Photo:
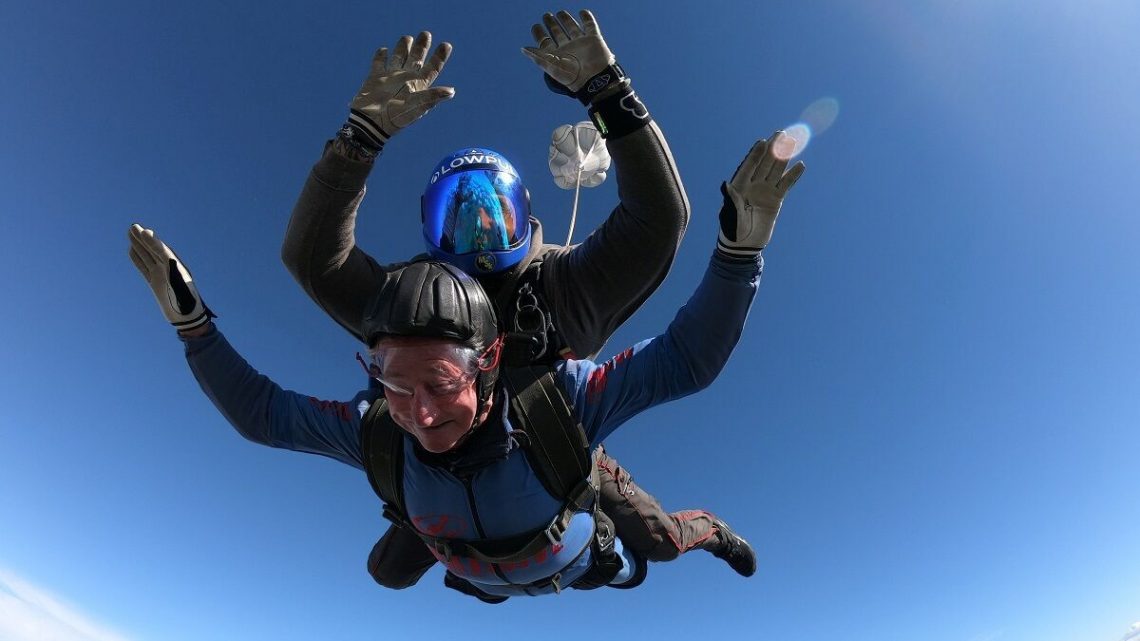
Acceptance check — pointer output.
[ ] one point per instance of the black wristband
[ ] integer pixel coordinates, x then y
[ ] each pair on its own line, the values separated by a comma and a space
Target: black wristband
611, 75
365, 131
350, 143
598, 83
740, 259
620, 114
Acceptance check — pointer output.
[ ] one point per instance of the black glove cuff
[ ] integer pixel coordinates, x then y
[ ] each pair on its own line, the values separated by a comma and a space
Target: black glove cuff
619, 114
738, 258
608, 77
351, 142
206, 316
599, 82
366, 132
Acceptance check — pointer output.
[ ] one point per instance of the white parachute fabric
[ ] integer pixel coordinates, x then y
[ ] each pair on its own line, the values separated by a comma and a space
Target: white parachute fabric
578, 158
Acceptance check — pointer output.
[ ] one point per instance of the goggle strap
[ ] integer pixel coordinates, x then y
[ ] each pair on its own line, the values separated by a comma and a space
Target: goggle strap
493, 353
371, 371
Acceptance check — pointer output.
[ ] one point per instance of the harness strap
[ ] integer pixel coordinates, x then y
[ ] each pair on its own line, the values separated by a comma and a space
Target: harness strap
382, 446
558, 449
517, 548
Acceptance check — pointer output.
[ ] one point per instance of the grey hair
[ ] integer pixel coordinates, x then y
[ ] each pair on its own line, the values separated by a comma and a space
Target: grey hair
459, 353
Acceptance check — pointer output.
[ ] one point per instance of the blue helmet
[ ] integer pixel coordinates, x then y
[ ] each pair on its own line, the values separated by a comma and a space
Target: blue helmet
476, 212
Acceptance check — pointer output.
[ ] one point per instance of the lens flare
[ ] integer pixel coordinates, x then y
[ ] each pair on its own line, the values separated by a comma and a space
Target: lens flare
795, 140
814, 120
820, 114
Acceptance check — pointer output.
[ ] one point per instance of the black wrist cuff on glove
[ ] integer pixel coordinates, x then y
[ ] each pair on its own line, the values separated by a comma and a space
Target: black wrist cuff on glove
619, 114
197, 321
365, 132
349, 143
738, 259
610, 76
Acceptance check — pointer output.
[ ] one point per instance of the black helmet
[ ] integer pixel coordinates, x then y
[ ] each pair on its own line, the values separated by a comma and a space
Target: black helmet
434, 299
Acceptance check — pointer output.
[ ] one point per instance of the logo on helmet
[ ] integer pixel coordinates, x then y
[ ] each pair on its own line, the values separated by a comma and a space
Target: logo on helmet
485, 262
471, 159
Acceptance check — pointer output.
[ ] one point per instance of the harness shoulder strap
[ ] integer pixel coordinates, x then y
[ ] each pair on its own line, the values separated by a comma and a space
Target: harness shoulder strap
558, 449
382, 445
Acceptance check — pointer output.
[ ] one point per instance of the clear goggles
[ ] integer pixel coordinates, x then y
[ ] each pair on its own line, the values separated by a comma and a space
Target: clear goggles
464, 359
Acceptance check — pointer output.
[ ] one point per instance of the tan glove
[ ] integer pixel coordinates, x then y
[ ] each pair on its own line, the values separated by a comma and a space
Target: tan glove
753, 197
574, 56
398, 91
169, 280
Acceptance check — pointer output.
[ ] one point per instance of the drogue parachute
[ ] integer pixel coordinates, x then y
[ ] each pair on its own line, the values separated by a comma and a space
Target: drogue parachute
578, 158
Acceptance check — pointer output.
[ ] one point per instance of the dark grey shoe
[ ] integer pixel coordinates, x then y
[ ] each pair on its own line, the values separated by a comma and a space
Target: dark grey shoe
734, 550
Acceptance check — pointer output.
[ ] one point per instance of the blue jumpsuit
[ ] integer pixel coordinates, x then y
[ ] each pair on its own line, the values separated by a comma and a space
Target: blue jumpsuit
501, 497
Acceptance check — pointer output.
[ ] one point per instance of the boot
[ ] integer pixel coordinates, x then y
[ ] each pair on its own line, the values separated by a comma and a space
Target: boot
734, 550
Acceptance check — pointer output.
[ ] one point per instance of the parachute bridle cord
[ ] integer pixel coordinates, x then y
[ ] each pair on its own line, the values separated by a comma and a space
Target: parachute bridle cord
577, 188
578, 158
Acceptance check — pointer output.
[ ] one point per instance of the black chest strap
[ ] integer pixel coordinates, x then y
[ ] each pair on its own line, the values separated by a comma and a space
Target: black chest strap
555, 443
382, 447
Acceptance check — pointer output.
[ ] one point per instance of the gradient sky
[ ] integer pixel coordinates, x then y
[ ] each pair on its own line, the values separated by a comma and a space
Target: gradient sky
929, 429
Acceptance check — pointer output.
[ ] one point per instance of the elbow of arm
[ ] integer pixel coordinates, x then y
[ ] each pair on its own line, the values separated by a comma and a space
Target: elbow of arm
702, 364
291, 257
704, 376
260, 437
706, 371
685, 210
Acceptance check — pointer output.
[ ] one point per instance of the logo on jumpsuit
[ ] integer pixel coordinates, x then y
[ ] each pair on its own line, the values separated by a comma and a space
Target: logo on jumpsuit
485, 262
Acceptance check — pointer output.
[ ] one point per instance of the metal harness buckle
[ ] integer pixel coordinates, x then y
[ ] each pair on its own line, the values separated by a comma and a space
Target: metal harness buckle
530, 319
555, 531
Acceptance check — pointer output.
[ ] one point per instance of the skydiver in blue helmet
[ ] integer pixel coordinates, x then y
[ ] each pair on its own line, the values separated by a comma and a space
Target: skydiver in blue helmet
554, 302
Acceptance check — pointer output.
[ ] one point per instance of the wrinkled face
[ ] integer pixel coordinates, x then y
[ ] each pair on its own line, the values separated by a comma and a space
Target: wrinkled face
431, 393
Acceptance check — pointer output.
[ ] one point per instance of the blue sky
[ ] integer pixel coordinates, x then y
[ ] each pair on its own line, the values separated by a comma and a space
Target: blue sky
927, 431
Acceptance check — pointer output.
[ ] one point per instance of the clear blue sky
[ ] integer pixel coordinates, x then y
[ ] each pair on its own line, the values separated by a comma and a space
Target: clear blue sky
929, 429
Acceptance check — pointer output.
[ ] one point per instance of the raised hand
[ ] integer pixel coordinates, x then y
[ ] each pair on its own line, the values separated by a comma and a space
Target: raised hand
169, 280
398, 91
573, 54
753, 197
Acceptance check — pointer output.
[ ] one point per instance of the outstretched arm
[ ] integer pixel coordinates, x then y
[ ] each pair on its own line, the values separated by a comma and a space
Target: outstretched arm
263, 412
320, 247
595, 286
257, 407
697, 344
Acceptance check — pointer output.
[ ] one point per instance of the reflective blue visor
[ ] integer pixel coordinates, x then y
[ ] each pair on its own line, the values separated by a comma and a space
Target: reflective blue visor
474, 211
